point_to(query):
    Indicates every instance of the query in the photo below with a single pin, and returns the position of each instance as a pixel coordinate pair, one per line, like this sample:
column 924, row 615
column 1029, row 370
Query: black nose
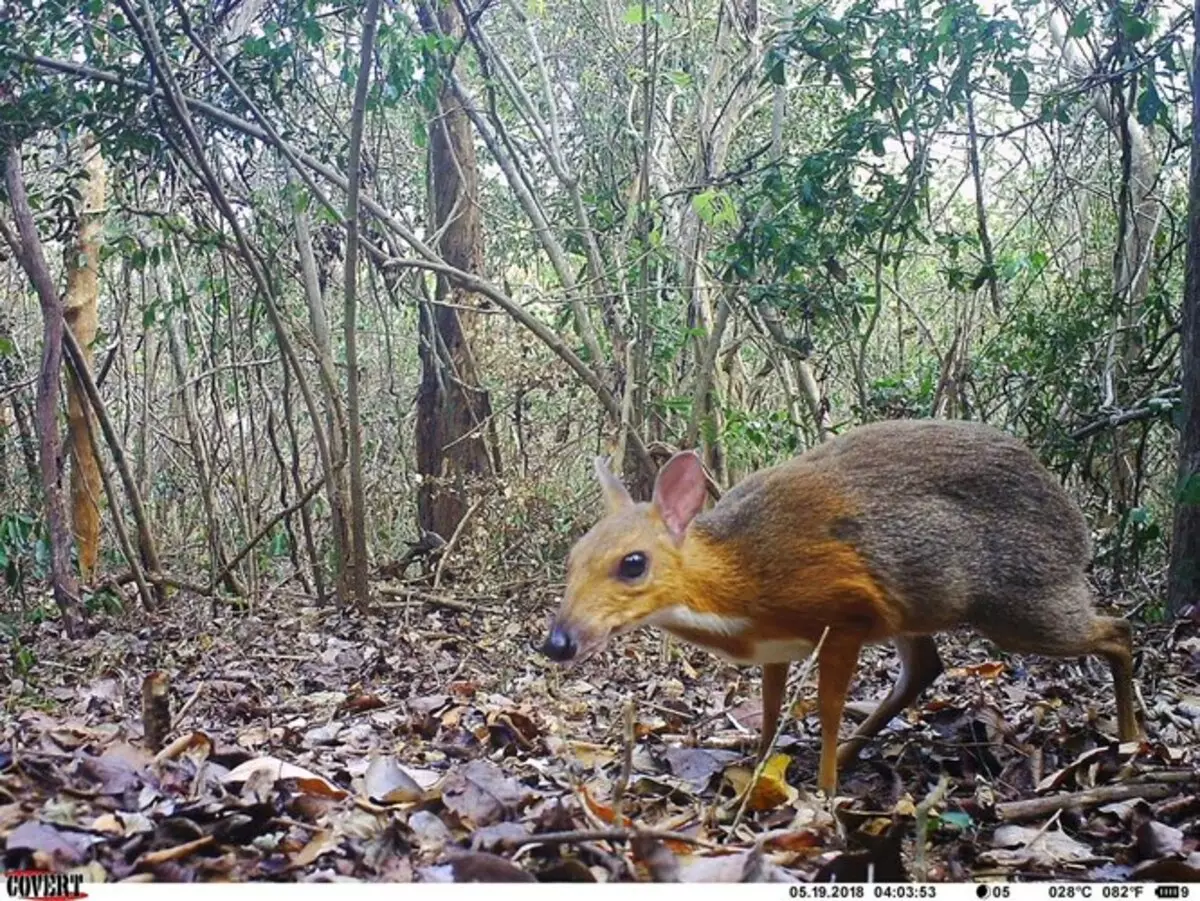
column 559, row 645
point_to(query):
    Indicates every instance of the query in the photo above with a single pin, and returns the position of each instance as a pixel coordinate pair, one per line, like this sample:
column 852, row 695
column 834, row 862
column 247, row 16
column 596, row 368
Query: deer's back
column 956, row 520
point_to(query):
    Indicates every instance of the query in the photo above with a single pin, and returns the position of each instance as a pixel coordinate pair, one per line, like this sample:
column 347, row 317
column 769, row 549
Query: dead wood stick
column 434, row 600
column 178, row 852
column 458, row 530
column 626, row 761
column 922, row 818
column 1015, row 811
column 187, row 705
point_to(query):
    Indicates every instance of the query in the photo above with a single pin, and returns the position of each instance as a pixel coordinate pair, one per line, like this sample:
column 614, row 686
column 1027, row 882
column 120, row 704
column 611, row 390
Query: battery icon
column 1166, row 891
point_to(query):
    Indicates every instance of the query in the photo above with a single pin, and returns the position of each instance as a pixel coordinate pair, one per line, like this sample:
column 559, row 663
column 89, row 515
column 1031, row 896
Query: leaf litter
column 320, row 745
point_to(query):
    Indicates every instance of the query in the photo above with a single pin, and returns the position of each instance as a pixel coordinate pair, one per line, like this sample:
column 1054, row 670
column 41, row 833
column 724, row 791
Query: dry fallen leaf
column 1024, row 846
column 386, row 783
column 772, row 789
column 985, row 671
column 1155, row 840
column 697, row 766
column 321, row 843
column 480, row 793
column 430, row 832
column 478, row 866
column 277, row 770
column 602, row 811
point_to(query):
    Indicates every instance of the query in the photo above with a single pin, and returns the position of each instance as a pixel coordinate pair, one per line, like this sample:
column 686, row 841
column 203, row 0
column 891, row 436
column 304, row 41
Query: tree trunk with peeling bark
column 454, row 411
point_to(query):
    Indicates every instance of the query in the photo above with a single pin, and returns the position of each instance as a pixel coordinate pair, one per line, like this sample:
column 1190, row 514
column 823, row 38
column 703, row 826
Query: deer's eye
column 632, row 566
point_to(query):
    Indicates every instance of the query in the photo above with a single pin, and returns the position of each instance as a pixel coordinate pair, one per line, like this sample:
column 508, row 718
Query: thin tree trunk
column 357, row 562
column 146, row 543
column 334, row 416
column 216, row 548
column 80, row 310
column 28, row 249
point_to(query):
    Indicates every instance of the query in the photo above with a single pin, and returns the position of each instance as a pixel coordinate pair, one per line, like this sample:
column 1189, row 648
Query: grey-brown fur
column 958, row 521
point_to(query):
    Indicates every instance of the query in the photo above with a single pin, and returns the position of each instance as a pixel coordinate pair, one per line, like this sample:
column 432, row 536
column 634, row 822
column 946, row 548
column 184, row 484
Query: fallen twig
column 449, row 546
column 626, row 761
column 434, row 600
column 930, row 801
column 1033, row 808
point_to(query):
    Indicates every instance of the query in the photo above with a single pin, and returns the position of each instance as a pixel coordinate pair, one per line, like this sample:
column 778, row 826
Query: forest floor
column 428, row 740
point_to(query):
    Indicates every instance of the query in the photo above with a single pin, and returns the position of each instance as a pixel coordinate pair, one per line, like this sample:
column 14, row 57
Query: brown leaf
column 360, row 703
column 427, row 705
column 985, row 671
column 1155, row 839
column 195, row 745
column 602, row 811
column 796, row 840
column 429, row 830
column 492, row 837
column 591, row 755
column 65, row 847
column 740, row 867
column 697, row 766
column 480, row 793
column 174, row 853
column 477, row 866
column 321, row 843
column 1023, row 846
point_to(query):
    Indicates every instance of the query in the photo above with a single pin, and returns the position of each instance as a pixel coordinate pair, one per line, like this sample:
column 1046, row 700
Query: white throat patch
column 679, row 616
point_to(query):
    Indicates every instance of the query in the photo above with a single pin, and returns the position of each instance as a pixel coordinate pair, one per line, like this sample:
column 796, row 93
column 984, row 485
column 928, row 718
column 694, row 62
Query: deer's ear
column 616, row 495
column 679, row 491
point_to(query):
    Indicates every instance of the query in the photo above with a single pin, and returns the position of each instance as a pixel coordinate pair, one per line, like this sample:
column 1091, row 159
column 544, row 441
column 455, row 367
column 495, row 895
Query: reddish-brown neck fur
column 790, row 587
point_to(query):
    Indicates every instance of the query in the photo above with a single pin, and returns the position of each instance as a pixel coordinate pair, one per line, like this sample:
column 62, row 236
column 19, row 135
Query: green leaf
column 1149, row 104
column 715, row 208
column 635, row 15
column 1189, row 491
column 1080, row 25
column 7, row 347
column 1018, row 89
column 1137, row 28
column 946, row 21
column 775, row 71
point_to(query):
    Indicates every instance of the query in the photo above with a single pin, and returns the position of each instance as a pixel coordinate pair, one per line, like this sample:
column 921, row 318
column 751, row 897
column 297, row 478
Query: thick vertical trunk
column 1183, row 585
column 454, row 411
column 80, row 310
